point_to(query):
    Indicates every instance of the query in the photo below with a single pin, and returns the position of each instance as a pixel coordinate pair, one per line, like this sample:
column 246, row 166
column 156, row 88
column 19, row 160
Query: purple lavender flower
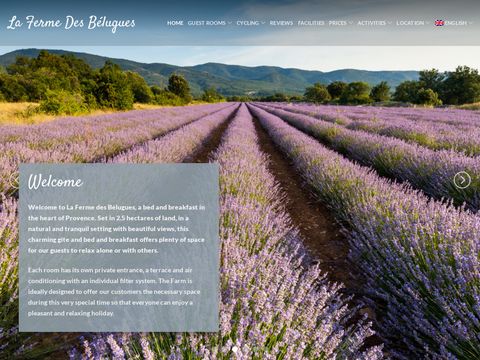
column 272, row 306
column 430, row 171
column 420, row 256
column 88, row 139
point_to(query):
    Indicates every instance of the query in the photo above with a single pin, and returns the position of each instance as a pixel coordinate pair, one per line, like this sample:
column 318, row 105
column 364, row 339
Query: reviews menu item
column 119, row 247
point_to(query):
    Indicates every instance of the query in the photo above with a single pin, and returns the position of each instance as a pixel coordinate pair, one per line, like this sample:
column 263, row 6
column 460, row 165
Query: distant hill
column 233, row 79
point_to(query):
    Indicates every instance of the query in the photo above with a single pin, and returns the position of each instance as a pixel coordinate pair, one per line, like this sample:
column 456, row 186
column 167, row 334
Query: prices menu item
column 119, row 247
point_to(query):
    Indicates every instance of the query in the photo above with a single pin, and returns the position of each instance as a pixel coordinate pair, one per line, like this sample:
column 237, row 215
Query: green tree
column 239, row 98
column 165, row 97
column 336, row 89
column 62, row 102
column 211, row 95
column 49, row 78
column 295, row 98
column 317, row 93
column 179, row 86
column 12, row 89
column 141, row 91
column 431, row 79
column 21, row 65
column 461, row 86
column 113, row 90
column 407, row 91
column 79, row 66
column 156, row 89
column 357, row 92
column 415, row 92
column 50, row 72
column 89, row 90
column 380, row 92
column 428, row 97
column 277, row 97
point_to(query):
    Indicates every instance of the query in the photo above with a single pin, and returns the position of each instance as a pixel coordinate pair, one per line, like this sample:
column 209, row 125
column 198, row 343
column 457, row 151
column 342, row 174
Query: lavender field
column 384, row 263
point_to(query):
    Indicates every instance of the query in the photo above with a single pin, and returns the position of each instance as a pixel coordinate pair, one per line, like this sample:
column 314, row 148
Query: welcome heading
column 93, row 22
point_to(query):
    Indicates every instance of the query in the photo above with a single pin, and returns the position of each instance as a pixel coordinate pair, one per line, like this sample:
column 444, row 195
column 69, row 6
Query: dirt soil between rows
column 212, row 143
column 318, row 229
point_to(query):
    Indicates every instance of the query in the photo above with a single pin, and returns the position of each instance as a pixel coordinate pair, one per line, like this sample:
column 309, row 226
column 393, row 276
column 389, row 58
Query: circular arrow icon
column 13, row 181
column 462, row 180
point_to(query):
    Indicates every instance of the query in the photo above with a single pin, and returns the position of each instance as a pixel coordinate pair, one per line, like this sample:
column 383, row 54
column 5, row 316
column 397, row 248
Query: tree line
column 433, row 88
column 65, row 84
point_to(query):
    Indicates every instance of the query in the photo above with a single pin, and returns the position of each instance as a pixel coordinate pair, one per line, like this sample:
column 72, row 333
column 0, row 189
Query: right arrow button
column 462, row 180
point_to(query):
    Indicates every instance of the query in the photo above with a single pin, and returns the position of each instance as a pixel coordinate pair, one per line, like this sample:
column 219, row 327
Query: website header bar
column 382, row 22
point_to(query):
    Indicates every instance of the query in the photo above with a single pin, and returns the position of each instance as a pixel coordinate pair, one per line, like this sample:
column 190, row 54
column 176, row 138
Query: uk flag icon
column 439, row 22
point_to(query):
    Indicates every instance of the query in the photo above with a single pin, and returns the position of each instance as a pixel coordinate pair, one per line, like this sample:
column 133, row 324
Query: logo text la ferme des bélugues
column 93, row 22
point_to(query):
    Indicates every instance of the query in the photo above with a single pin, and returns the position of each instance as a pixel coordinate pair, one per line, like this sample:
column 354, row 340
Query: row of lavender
column 178, row 145
column 461, row 135
column 90, row 139
column 448, row 116
column 437, row 115
column 433, row 172
column 68, row 129
column 170, row 148
column 420, row 256
column 272, row 307
column 8, row 267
